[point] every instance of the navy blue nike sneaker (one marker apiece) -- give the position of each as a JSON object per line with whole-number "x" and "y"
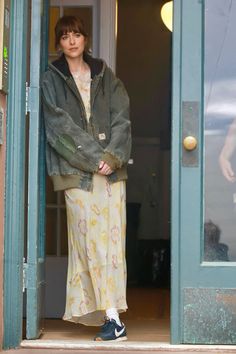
{"x": 111, "y": 331}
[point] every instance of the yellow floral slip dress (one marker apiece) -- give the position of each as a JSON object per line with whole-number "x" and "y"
{"x": 96, "y": 276}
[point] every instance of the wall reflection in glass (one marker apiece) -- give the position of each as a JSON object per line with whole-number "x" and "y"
{"x": 220, "y": 131}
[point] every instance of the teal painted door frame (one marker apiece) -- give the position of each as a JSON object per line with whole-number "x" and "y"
{"x": 175, "y": 176}
{"x": 15, "y": 201}
{"x": 14, "y": 229}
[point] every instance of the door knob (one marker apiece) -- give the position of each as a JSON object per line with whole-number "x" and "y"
{"x": 190, "y": 143}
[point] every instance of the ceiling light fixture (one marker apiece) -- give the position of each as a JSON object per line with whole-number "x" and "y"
{"x": 167, "y": 14}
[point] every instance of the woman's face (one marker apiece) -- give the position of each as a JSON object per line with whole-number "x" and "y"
{"x": 72, "y": 44}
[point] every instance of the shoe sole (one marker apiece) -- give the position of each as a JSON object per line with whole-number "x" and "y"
{"x": 119, "y": 339}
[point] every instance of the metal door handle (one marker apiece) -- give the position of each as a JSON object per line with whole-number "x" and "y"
{"x": 190, "y": 143}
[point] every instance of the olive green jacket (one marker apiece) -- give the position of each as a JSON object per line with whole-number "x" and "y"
{"x": 74, "y": 146}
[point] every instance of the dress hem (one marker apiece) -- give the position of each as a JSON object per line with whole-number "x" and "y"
{"x": 78, "y": 318}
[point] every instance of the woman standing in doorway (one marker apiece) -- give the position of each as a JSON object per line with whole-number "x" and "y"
{"x": 86, "y": 112}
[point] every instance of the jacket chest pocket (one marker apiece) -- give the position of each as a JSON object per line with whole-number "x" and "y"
{"x": 101, "y": 131}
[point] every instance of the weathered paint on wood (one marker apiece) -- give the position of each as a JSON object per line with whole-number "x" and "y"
{"x": 209, "y": 315}
{"x": 36, "y": 175}
{"x": 15, "y": 177}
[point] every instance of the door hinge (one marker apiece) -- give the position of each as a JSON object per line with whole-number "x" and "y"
{"x": 25, "y": 269}
{"x": 26, "y": 97}
{"x": 31, "y": 98}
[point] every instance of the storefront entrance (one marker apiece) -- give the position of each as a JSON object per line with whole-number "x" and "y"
{"x": 203, "y": 294}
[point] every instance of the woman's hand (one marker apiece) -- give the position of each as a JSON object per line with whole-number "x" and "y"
{"x": 227, "y": 152}
{"x": 226, "y": 168}
{"x": 104, "y": 168}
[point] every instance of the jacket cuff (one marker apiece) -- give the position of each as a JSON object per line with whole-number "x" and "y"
{"x": 111, "y": 160}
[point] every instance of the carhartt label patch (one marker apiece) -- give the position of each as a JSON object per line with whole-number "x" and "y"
{"x": 102, "y": 136}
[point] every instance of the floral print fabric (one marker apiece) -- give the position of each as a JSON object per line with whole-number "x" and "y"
{"x": 96, "y": 278}
{"x": 83, "y": 85}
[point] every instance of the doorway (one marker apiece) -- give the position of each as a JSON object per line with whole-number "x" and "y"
{"x": 142, "y": 43}
{"x": 192, "y": 276}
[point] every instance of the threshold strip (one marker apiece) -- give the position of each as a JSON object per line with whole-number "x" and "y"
{"x": 126, "y": 345}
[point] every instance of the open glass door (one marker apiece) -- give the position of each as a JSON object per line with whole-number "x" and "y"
{"x": 36, "y": 176}
{"x": 203, "y": 184}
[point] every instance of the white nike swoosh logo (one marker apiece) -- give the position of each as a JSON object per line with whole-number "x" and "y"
{"x": 118, "y": 333}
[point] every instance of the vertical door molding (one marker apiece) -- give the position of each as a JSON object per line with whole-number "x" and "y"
{"x": 36, "y": 175}
{"x": 175, "y": 177}
{"x": 108, "y": 26}
{"x": 15, "y": 177}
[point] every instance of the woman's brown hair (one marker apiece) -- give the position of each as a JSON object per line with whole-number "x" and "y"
{"x": 68, "y": 24}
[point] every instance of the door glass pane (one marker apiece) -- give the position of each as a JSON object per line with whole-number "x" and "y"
{"x": 220, "y": 131}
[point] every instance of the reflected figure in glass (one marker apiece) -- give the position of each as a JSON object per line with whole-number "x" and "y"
{"x": 219, "y": 131}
